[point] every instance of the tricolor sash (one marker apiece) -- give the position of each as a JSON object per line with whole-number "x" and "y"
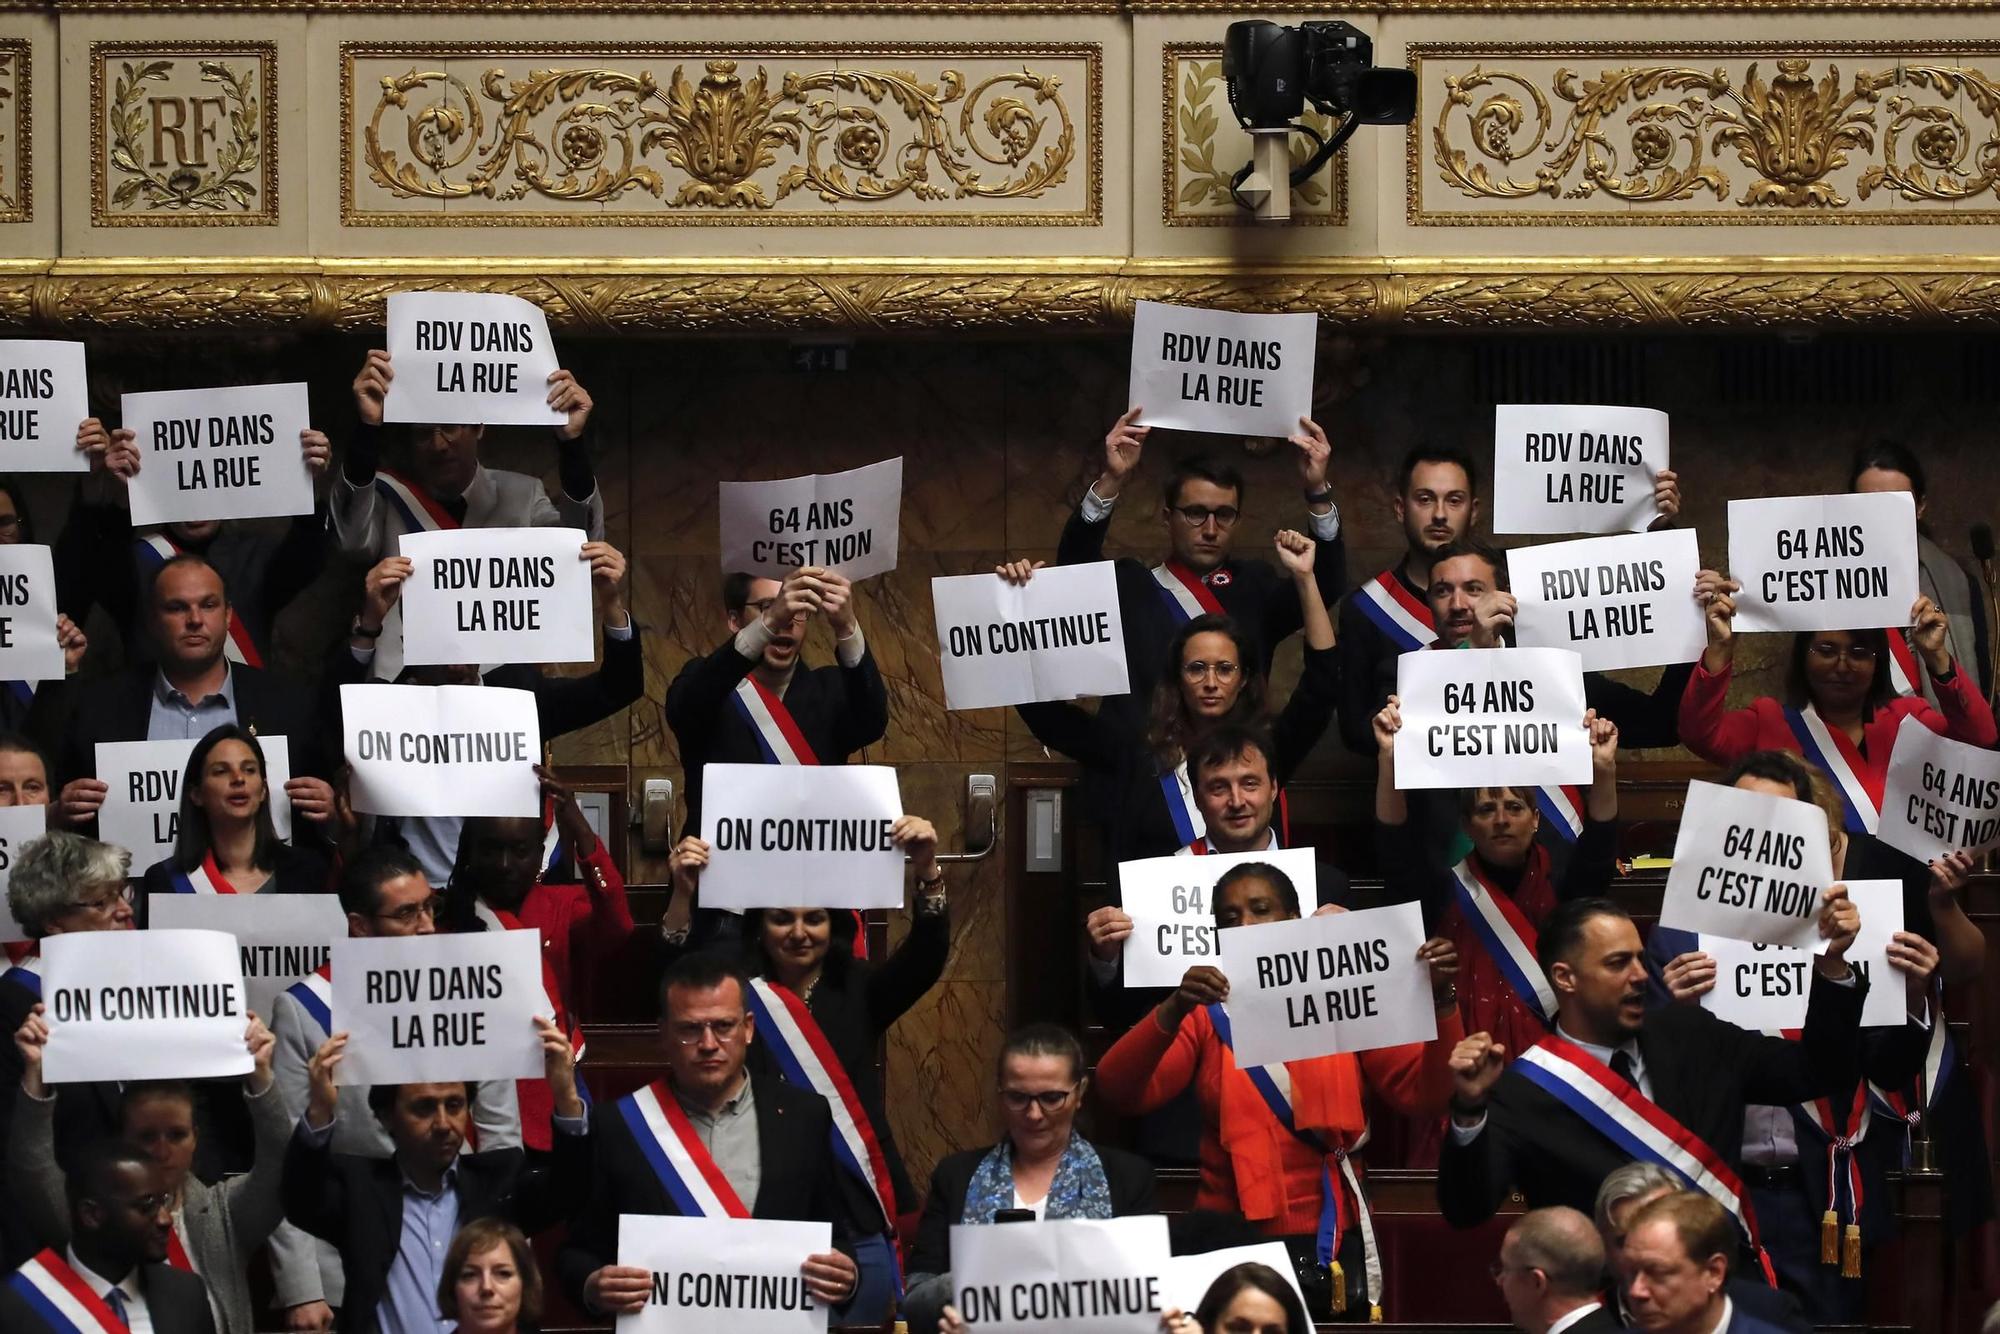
{"x": 499, "y": 919}
{"x": 206, "y": 878}
{"x": 1562, "y": 810}
{"x": 62, "y": 1299}
{"x": 1622, "y": 1114}
{"x": 1179, "y": 792}
{"x": 806, "y": 1059}
{"x": 315, "y": 993}
{"x": 777, "y": 732}
{"x": 683, "y": 1164}
{"x": 26, "y": 974}
{"x": 156, "y": 550}
{"x": 1904, "y": 673}
{"x": 1505, "y": 932}
{"x": 1186, "y": 593}
{"x": 552, "y": 844}
{"x": 1939, "y": 1057}
{"x": 1397, "y": 612}
{"x": 418, "y": 509}
{"x": 1843, "y": 1169}
{"x": 177, "y": 1251}
{"x": 1829, "y": 748}
{"x": 1337, "y": 1206}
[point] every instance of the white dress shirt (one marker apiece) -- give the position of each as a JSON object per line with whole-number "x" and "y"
{"x": 138, "y": 1317}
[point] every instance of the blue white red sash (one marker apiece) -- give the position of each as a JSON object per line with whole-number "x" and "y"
{"x": 1186, "y": 593}
{"x": 777, "y": 732}
{"x": 1829, "y": 748}
{"x": 1274, "y": 1085}
{"x": 315, "y": 993}
{"x": 57, "y": 1294}
{"x": 807, "y": 1060}
{"x": 1505, "y": 932}
{"x": 1397, "y": 612}
{"x": 156, "y": 550}
{"x": 206, "y": 878}
{"x": 1562, "y": 810}
{"x": 1904, "y": 673}
{"x": 26, "y": 974}
{"x": 418, "y": 509}
{"x": 1622, "y": 1114}
{"x": 499, "y": 919}
{"x": 1940, "y": 1057}
{"x": 1179, "y": 792}
{"x": 1843, "y": 1167}
{"x": 22, "y": 691}
{"x": 683, "y": 1164}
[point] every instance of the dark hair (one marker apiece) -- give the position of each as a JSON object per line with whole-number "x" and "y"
{"x": 140, "y": 1089}
{"x": 1889, "y": 456}
{"x": 482, "y": 1234}
{"x": 1042, "y": 1040}
{"x": 841, "y": 929}
{"x": 177, "y": 561}
{"x": 21, "y": 744}
{"x": 382, "y": 1097}
{"x": 1472, "y": 546}
{"x": 1705, "y": 1228}
{"x": 361, "y": 883}
{"x": 1468, "y": 797}
{"x": 736, "y": 589}
{"x": 1562, "y": 930}
{"x": 1265, "y": 1280}
{"x": 1204, "y": 468}
{"x": 1430, "y": 453}
{"x": 194, "y": 838}
{"x": 1880, "y": 691}
{"x": 1288, "y": 893}
{"x": 90, "y": 1171}
{"x": 1224, "y": 742}
{"x": 1170, "y": 730}
{"x": 12, "y": 490}
{"x": 459, "y": 911}
{"x": 1773, "y": 766}
{"x": 703, "y": 970}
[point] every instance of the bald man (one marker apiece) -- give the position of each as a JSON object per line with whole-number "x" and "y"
{"x": 1551, "y": 1273}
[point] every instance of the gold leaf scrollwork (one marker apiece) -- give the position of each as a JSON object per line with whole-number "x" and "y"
{"x": 718, "y": 133}
{"x": 1940, "y": 139}
{"x": 1195, "y": 188}
{"x": 229, "y": 183}
{"x": 7, "y": 200}
{"x": 1794, "y": 132}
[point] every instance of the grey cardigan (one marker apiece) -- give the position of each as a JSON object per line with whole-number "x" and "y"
{"x": 226, "y": 1223}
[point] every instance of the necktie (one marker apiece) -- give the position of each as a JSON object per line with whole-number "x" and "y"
{"x": 455, "y": 506}
{"x": 115, "y": 1299}
{"x": 1621, "y": 1065}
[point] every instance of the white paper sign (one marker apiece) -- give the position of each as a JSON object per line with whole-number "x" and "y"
{"x": 1346, "y": 982}
{"x": 1077, "y": 1276}
{"x": 280, "y": 938}
{"x": 1188, "y": 1279}
{"x": 1824, "y": 562}
{"x": 142, "y": 809}
{"x": 28, "y": 647}
{"x": 1572, "y": 468}
{"x": 143, "y": 1005}
{"x": 1617, "y": 601}
{"x": 428, "y": 1008}
{"x": 18, "y": 824}
{"x": 1491, "y": 717}
{"x": 497, "y": 595}
{"x": 219, "y": 453}
{"x": 1941, "y": 795}
{"x": 846, "y": 521}
{"x": 722, "y": 1275}
{"x": 469, "y": 357}
{"x": 1173, "y": 915}
{"x": 441, "y": 750}
{"x": 1767, "y": 987}
{"x": 1750, "y": 866}
{"x": 1217, "y": 370}
{"x": 1059, "y": 636}
{"x": 44, "y": 397}
{"x": 784, "y": 834}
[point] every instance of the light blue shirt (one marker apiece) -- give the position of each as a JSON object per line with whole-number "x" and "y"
{"x": 174, "y": 717}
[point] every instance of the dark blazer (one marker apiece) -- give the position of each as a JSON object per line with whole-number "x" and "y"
{"x": 838, "y": 709}
{"x": 357, "y": 1204}
{"x": 89, "y": 1112}
{"x": 299, "y": 870}
{"x": 797, "y": 1179}
{"x": 1703, "y": 1072}
{"x": 1600, "y": 1321}
{"x": 1129, "y": 1176}
{"x": 177, "y": 1302}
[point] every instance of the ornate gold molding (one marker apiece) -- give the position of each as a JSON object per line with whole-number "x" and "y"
{"x": 1648, "y": 133}
{"x": 134, "y": 185}
{"x": 1307, "y": 8}
{"x": 1194, "y": 186}
{"x": 917, "y": 295}
{"x": 17, "y": 175}
{"x": 579, "y": 141}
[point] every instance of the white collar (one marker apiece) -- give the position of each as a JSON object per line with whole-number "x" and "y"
{"x": 1573, "y": 1317}
{"x": 98, "y": 1284}
{"x": 1630, "y": 1047}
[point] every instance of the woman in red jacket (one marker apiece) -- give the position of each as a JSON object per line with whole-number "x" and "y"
{"x": 1840, "y": 710}
{"x": 1288, "y": 1179}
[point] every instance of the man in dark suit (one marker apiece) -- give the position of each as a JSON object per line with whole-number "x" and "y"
{"x": 1678, "y": 1254}
{"x": 1551, "y": 1274}
{"x": 1508, "y": 1131}
{"x": 750, "y": 702}
{"x": 427, "y": 1189}
{"x": 120, "y": 1217}
{"x": 766, "y": 1138}
{"x": 192, "y": 689}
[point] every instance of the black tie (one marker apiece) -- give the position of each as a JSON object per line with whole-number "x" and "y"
{"x": 1621, "y": 1065}
{"x": 455, "y": 506}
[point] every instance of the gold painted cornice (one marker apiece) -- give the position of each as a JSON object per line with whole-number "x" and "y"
{"x": 977, "y": 8}
{"x": 999, "y": 295}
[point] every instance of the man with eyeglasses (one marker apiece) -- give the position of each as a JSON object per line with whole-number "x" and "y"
{"x": 1551, "y": 1274}
{"x": 1201, "y": 506}
{"x": 727, "y": 1143}
{"x": 384, "y": 893}
{"x": 120, "y": 1219}
{"x": 752, "y": 702}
